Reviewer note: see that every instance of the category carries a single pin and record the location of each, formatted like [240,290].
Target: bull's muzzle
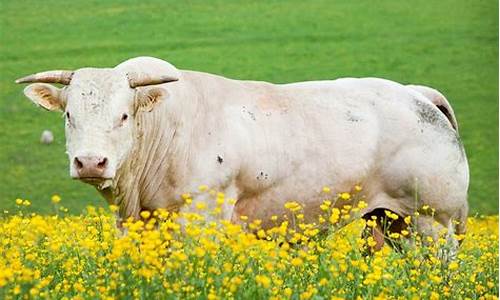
[90,168]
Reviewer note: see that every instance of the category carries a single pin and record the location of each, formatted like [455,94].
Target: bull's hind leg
[411,181]
[438,233]
[382,224]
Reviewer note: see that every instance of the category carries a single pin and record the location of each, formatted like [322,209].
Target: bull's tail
[439,100]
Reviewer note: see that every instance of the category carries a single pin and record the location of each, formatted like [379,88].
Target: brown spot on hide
[269,104]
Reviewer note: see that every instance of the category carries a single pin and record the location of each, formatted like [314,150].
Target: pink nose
[90,166]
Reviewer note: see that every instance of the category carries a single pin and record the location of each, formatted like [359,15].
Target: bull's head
[99,106]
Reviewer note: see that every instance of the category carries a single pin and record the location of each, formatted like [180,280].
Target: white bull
[145,132]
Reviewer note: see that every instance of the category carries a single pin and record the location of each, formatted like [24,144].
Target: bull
[145,132]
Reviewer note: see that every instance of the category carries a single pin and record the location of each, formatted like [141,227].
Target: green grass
[450,45]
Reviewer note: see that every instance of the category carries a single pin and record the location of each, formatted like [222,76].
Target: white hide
[265,144]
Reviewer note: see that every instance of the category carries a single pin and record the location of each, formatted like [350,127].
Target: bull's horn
[142,79]
[57,76]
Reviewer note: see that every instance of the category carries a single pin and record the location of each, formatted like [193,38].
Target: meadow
[450,45]
[63,256]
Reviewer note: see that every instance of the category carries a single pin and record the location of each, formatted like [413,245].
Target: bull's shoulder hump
[189,74]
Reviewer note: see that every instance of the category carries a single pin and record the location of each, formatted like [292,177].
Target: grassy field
[450,45]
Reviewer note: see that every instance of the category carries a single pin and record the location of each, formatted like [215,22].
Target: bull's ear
[45,95]
[147,98]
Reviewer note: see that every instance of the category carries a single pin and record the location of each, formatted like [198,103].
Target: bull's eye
[124,117]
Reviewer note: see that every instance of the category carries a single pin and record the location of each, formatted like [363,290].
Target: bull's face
[99,107]
[98,112]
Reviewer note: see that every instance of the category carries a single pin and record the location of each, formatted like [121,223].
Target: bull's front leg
[125,210]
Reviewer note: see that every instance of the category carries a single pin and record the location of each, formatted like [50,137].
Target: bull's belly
[393,182]
[267,183]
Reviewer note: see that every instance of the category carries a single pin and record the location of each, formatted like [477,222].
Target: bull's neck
[150,167]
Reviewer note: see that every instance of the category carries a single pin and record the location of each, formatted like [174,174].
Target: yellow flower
[362,204]
[326,190]
[34,292]
[371,223]
[200,252]
[334,217]
[228,267]
[211,296]
[201,205]
[55,199]
[19,201]
[297,261]
[345,196]
[434,296]
[269,266]
[113,208]
[292,206]
[453,266]
[145,214]
[323,282]
[391,215]
[394,235]
[17,290]
[263,280]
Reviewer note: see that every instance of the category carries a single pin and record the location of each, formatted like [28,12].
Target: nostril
[102,164]
[78,163]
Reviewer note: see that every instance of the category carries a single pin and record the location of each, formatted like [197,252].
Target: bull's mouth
[99,182]
[91,180]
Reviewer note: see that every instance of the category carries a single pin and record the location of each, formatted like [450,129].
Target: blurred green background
[450,45]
